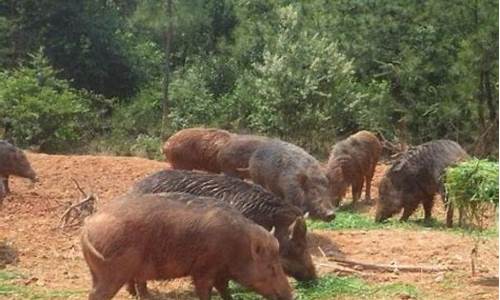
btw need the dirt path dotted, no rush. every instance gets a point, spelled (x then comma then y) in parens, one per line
(52, 259)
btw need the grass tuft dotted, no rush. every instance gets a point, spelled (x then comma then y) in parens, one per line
(351, 220)
(333, 287)
(11, 290)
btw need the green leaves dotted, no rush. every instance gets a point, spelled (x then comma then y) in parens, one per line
(473, 186)
(40, 110)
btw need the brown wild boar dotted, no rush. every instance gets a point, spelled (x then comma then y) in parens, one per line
(293, 175)
(14, 162)
(145, 237)
(195, 148)
(234, 156)
(253, 202)
(352, 162)
(415, 177)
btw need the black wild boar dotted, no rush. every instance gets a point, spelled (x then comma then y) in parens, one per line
(294, 175)
(195, 148)
(234, 156)
(145, 237)
(14, 162)
(415, 177)
(352, 162)
(254, 202)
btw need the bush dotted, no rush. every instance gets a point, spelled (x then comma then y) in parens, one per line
(37, 109)
(473, 187)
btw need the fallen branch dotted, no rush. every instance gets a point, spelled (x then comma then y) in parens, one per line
(391, 268)
(340, 269)
(76, 213)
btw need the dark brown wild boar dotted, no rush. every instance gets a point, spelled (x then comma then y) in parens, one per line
(251, 200)
(294, 175)
(195, 148)
(234, 156)
(352, 162)
(14, 162)
(415, 177)
(146, 237)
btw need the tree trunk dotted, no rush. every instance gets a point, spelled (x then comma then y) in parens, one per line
(166, 82)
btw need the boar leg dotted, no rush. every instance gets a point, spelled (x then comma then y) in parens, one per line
(203, 287)
(221, 287)
(131, 288)
(138, 289)
(357, 187)
(368, 180)
(428, 204)
(103, 290)
(142, 290)
(408, 211)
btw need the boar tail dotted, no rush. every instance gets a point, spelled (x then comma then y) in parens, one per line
(90, 247)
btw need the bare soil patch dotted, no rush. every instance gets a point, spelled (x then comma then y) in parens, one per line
(52, 259)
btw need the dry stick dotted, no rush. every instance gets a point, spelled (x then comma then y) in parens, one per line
(322, 252)
(78, 187)
(403, 268)
(89, 198)
(339, 268)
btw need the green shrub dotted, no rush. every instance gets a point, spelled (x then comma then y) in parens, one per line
(147, 146)
(473, 186)
(38, 109)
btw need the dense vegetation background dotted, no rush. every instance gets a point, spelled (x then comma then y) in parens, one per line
(121, 75)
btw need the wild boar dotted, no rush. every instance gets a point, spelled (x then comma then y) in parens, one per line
(415, 177)
(294, 175)
(195, 148)
(14, 162)
(254, 202)
(234, 156)
(145, 237)
(352, 162)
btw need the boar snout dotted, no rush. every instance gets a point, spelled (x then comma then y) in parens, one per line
(330, 215)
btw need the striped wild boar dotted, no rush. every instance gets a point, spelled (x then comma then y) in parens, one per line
(352, 162)
(234, 156)
(146, 237)
(254, 202)
(13, 161)
(415, 177)
(294, 175)
(195, 148)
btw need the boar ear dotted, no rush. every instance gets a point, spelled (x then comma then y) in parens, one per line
(298, 229)
(257, 250)
(273, 230)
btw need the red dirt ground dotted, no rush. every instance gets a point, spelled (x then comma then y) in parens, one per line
(52, 259)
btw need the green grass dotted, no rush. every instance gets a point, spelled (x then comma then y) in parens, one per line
(332, 287)
(9, 289)
(352, 220)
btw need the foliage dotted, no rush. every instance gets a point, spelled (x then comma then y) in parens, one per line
(304, 71)
(473, 187)
(38, 109)
(147, 146)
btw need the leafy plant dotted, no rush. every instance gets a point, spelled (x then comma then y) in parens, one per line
(37, 108)
(472, 186)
